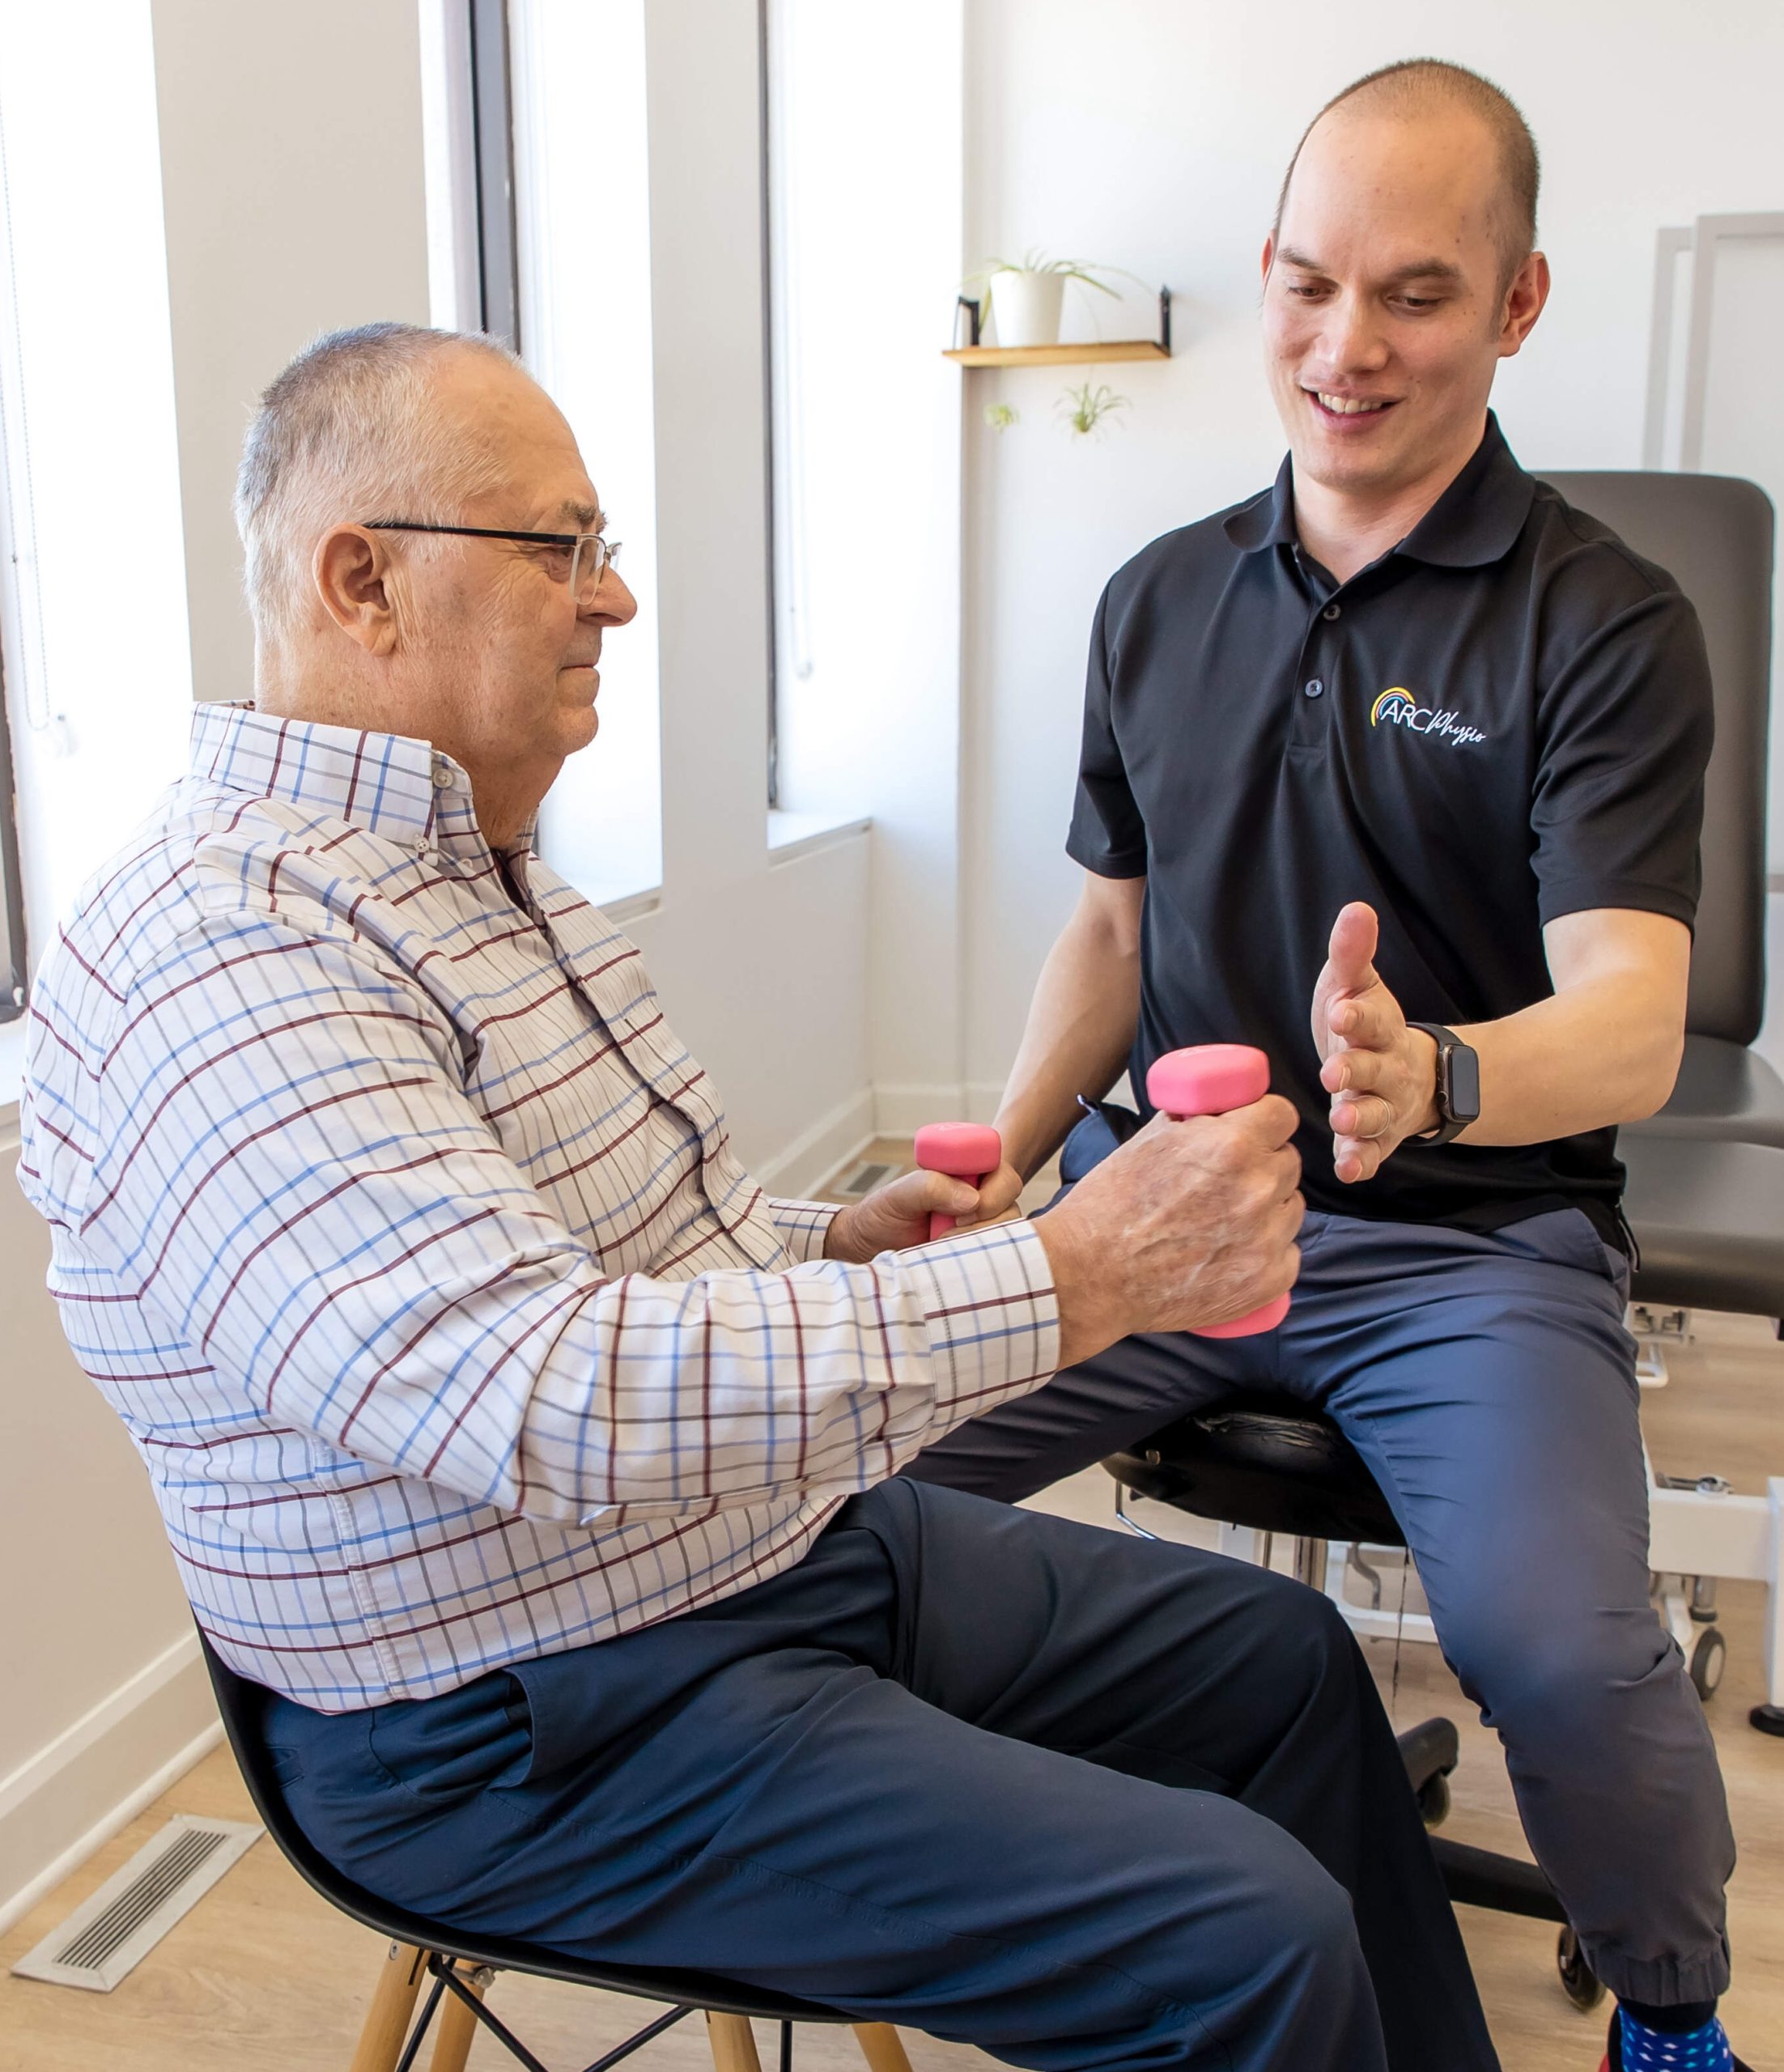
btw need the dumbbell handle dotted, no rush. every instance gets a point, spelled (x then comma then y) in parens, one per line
(1207, 1080)
(966, 1151)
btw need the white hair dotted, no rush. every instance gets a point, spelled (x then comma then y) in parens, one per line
(350, 432)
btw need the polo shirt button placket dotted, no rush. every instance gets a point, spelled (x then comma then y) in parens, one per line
(1310, 726)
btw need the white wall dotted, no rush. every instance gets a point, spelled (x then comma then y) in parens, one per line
(1156, 141)
(292, 173)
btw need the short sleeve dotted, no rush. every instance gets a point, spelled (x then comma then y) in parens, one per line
(1625, 726)
(1108, 836)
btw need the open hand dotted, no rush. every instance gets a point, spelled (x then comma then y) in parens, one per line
(1381, 1075)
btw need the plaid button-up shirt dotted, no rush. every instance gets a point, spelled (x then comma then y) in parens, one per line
(403, 1237)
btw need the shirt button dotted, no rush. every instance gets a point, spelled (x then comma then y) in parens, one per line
(1331, 611)
(1313, 687)
(442, 773)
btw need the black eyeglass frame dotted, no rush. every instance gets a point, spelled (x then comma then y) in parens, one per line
(605, 549)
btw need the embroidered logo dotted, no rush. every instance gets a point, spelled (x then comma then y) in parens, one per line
(1399, 707)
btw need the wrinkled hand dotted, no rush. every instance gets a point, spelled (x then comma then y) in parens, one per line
(1381, 1075)
(897, 1215)
(997, 1196)
(1189, 1223)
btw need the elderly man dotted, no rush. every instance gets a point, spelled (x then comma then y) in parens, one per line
(547, 1474)
(1411, 678)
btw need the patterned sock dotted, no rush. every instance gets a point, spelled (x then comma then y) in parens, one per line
(1704, 2048)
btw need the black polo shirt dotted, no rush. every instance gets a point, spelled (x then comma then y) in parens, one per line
(1503, 720)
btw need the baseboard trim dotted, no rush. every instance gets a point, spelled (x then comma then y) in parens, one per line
(95, 1777)
(816, 1152)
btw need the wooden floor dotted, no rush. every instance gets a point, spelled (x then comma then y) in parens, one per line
(263, 1977)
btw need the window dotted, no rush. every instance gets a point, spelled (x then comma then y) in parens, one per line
(12, 908)
(12, 905)
(865, 201)
(94, 647)
(565, 269)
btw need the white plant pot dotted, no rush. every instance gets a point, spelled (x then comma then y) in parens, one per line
(1025, 306)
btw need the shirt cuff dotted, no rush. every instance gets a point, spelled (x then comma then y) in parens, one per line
(991, 1313)
(802, 1226)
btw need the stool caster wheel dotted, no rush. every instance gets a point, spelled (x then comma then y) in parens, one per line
(1707, 1659)
(1581, 1984)
(1433, 1800)
(1768, 1719)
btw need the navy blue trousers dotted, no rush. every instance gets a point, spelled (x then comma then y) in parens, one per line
(1080, 1799)
(1489, 1383)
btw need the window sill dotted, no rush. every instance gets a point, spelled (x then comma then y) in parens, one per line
(794, 834)
(632, 906)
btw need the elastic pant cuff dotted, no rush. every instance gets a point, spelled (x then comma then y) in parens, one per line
(1663, 1981)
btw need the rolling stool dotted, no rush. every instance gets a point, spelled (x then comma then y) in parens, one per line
(1272, 1464)
(462, 1963)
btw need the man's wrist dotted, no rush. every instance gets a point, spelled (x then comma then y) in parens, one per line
(836, 1237)
(1430, 1111)
(1089, 1318)
(1017, 1137)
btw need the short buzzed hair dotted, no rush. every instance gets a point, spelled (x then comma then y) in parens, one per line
(1416, 84)
(351, 429)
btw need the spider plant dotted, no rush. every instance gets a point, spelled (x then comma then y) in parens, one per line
(1084, 407)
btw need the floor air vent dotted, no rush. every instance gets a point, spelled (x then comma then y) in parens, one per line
(108, 1934)
(865, 1179)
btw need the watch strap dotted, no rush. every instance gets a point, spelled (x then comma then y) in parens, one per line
(1451, 1124)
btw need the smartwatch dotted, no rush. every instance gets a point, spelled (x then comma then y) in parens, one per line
(1458, 1083)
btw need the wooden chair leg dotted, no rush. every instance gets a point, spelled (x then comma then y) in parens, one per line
(456, 2027)
(393, 2003)
(733, 2044)
(881, 2046)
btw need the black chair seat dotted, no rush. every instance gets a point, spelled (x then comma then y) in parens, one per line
(1709, 1217)
(1263, 1460)
(1724, 1091)
(239, 1700)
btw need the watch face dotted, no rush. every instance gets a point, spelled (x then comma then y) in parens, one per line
(1464, 1088)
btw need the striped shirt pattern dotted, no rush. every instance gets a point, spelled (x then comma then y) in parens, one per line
(406, 1239)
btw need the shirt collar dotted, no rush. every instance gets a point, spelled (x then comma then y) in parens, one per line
(405, 790)
(1476, 521)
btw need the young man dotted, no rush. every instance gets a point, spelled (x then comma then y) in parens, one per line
(1410, 684)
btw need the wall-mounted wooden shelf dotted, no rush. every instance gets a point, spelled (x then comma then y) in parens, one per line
(1057, 355)
(1083, 352)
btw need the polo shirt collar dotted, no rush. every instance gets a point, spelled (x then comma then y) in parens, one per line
(391, 785)
(1474, 522)
(1266, 521)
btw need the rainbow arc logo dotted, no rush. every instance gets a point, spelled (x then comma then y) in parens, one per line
(1397, 706)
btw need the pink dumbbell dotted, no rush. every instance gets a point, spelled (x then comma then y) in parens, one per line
(966, 1151)
(1207, 1080)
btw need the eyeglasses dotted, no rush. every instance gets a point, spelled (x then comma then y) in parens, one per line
(580, 559)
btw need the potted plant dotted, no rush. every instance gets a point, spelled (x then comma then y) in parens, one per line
(1027, 295)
